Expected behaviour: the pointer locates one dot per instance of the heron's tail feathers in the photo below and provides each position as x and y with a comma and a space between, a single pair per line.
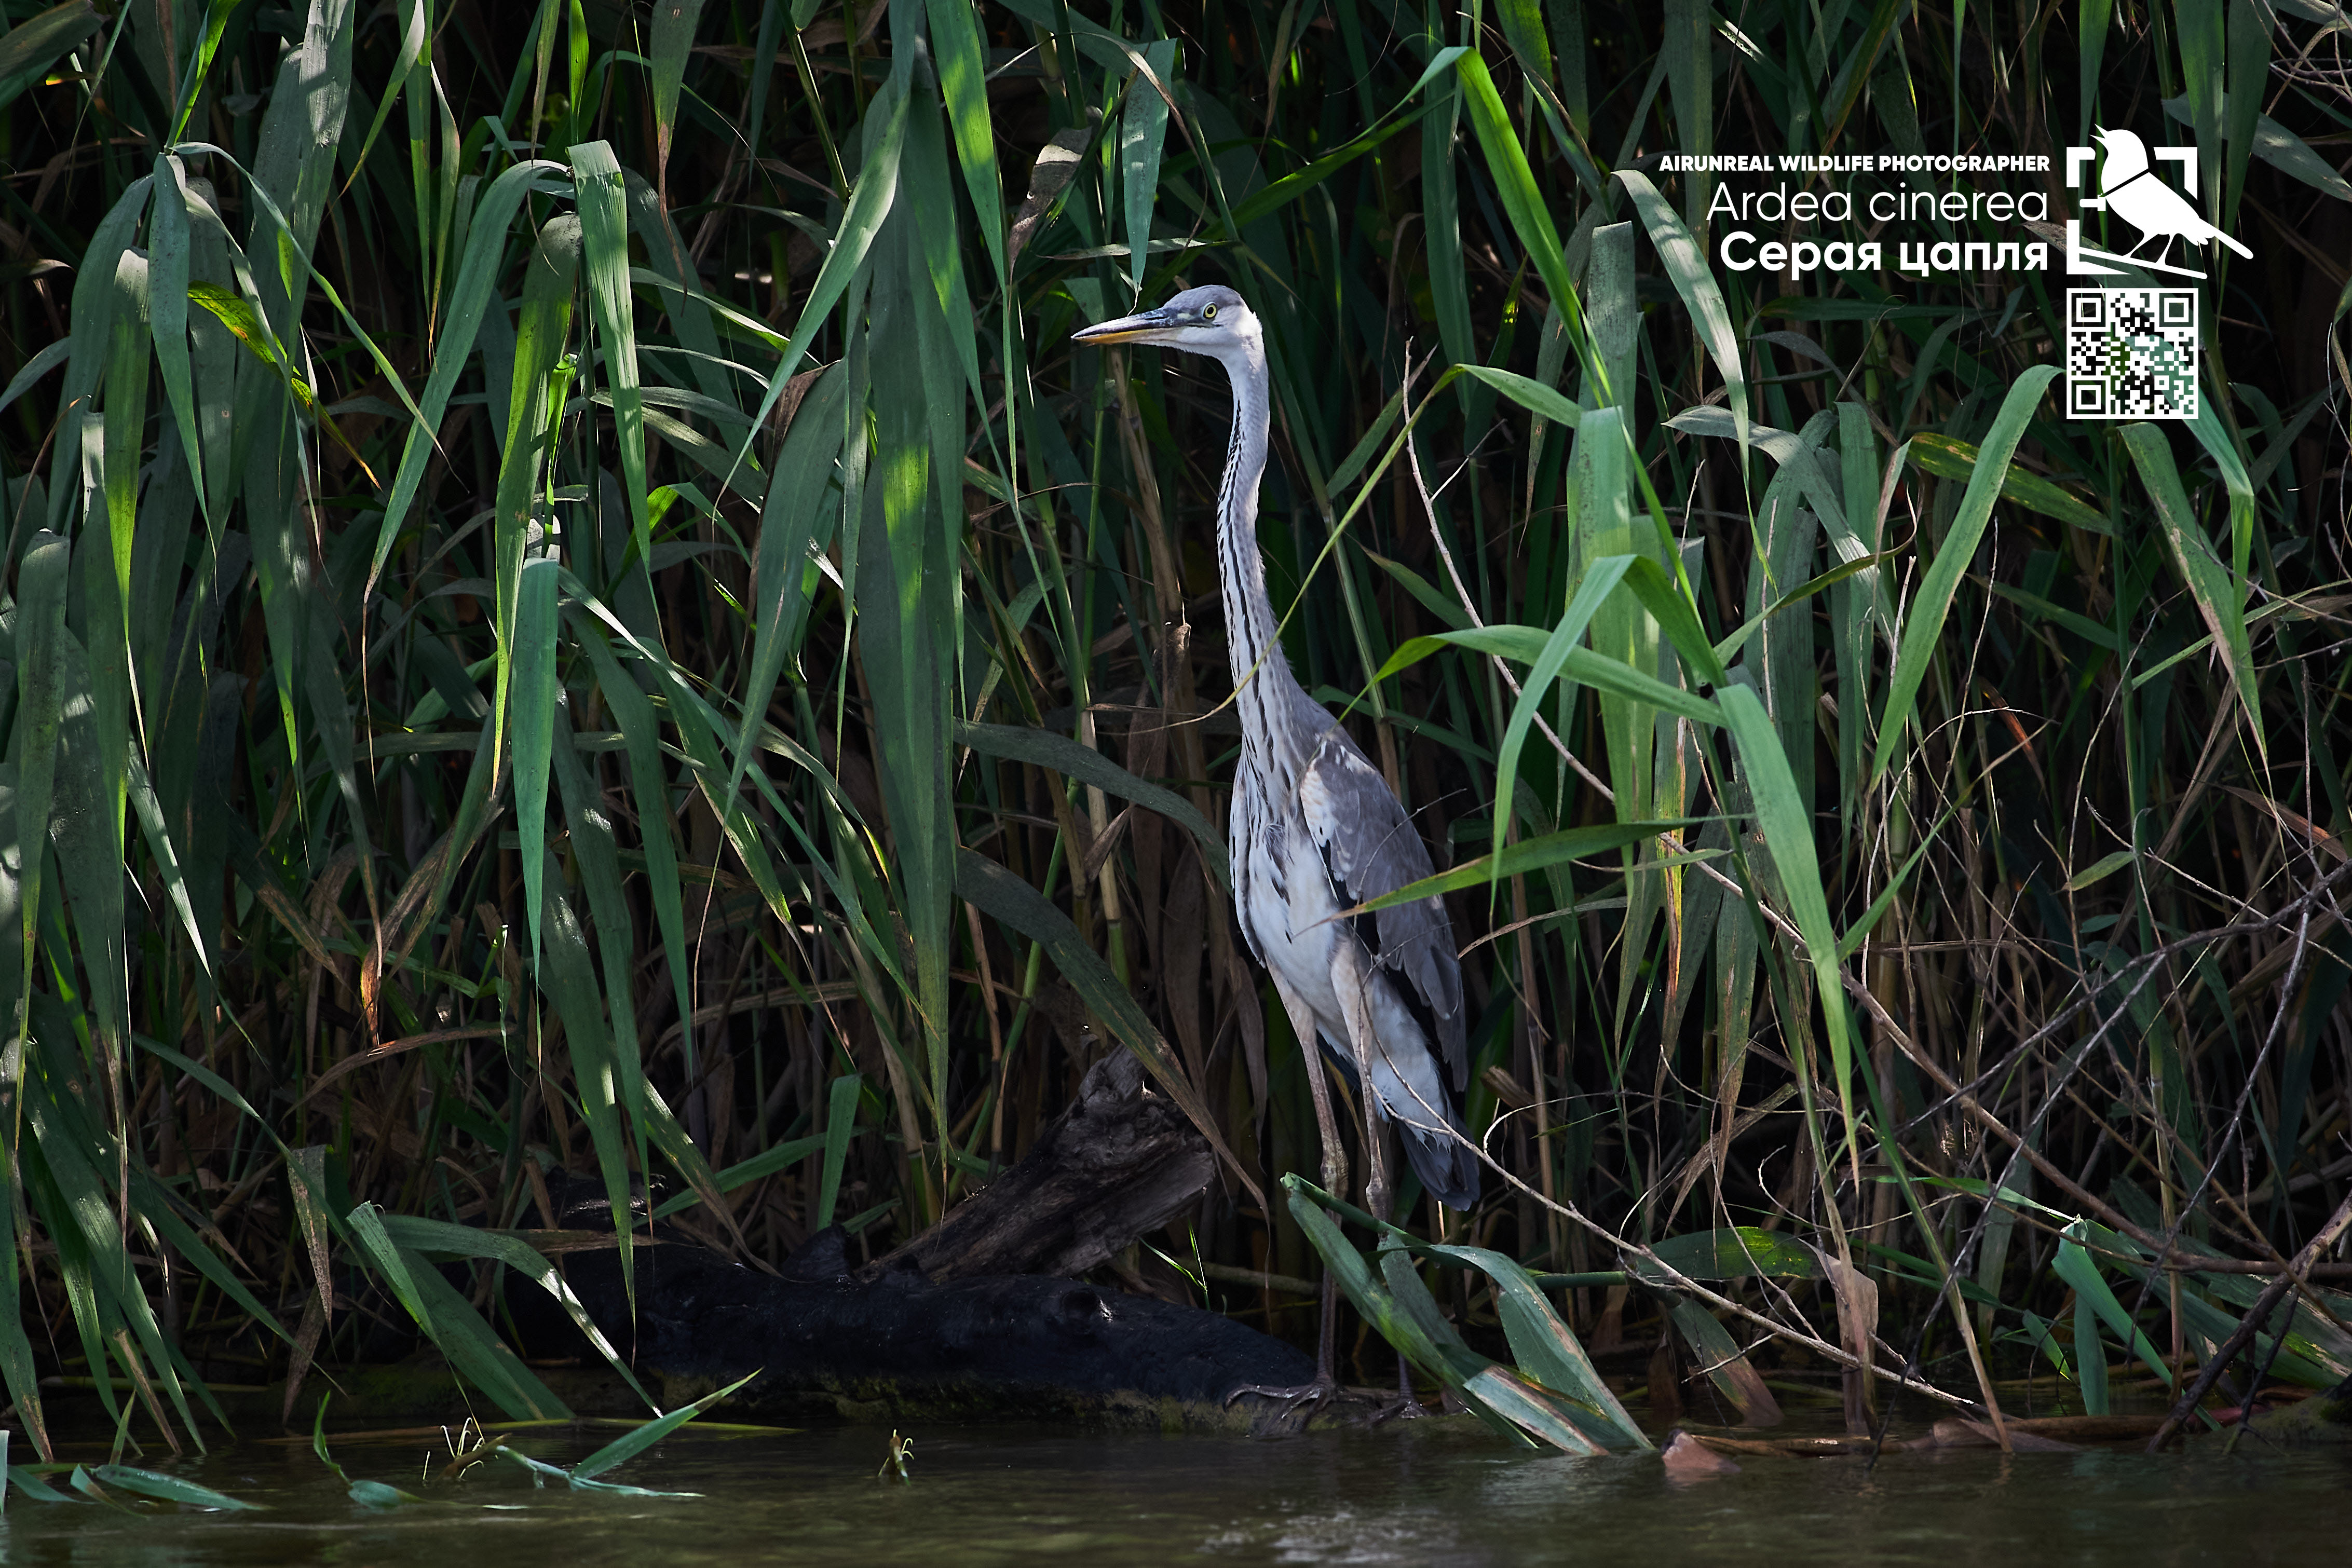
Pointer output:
1445, 1164
1441, 1156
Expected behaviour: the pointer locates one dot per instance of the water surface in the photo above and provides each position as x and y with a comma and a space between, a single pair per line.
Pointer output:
1437, 1493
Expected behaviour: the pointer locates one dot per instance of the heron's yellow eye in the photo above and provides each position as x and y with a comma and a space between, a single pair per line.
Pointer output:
1208, 312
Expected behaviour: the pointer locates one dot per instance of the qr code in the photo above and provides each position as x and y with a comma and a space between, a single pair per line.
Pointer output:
2131, 353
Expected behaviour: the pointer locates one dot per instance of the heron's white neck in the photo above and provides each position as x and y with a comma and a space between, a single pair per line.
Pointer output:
1262, 679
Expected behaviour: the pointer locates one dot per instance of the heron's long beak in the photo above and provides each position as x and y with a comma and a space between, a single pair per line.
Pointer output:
1126, 329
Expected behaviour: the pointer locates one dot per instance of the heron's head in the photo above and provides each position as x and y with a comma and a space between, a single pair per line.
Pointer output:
1213, 320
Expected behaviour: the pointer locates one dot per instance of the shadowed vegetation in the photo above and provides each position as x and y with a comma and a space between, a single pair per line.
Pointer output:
569, 602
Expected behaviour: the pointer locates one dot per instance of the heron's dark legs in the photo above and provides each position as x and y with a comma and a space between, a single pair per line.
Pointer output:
1290, 1407
1326, 1337
1318, 1089
1407, 1408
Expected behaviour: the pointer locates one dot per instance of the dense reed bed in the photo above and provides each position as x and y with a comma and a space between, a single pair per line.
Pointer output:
569, 602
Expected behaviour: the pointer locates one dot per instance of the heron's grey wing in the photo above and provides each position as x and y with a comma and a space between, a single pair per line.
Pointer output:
1370, 848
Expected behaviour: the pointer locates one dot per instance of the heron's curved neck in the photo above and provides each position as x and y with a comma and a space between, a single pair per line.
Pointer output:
1262, 675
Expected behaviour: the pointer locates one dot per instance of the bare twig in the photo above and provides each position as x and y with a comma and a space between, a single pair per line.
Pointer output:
2255, 1318
1470, 608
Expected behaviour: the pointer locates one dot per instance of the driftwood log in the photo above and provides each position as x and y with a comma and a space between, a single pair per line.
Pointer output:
1119, 1163
902, 1349
966, 1321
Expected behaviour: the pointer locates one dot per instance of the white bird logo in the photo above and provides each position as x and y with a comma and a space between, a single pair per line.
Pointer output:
2129, 188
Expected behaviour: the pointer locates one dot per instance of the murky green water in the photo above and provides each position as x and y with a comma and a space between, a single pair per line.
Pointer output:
1425, 1494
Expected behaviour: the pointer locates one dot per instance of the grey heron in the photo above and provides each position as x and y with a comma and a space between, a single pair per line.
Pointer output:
1316, 830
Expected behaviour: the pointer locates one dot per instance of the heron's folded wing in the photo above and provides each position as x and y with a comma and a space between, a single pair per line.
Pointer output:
1370, 848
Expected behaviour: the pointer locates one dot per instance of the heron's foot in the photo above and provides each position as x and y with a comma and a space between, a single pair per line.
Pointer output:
1284, 1412
1404, 1407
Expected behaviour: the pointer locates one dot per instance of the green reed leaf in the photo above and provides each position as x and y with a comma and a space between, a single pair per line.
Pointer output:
674, 22
603, 195
1688, 270
2281, 149
869, 203
1529, 215
2076, 1267
840, 1124
1948, 458
422, 1236
1924, 627
795, 517
40, 629
546, 323
2219, 603
629, 1446
485, 245
414, 23
169, 1489
1525, 645
1733, 1374
1546, 1348
1143, 130
451, 1323
532, 733
1786, 818
170, 244
1601, 579
31, 47
961, 55
1066, 757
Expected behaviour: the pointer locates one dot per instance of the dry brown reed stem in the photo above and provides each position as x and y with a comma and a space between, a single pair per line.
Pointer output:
1964, 1096
1919, 1058
1679, 1281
